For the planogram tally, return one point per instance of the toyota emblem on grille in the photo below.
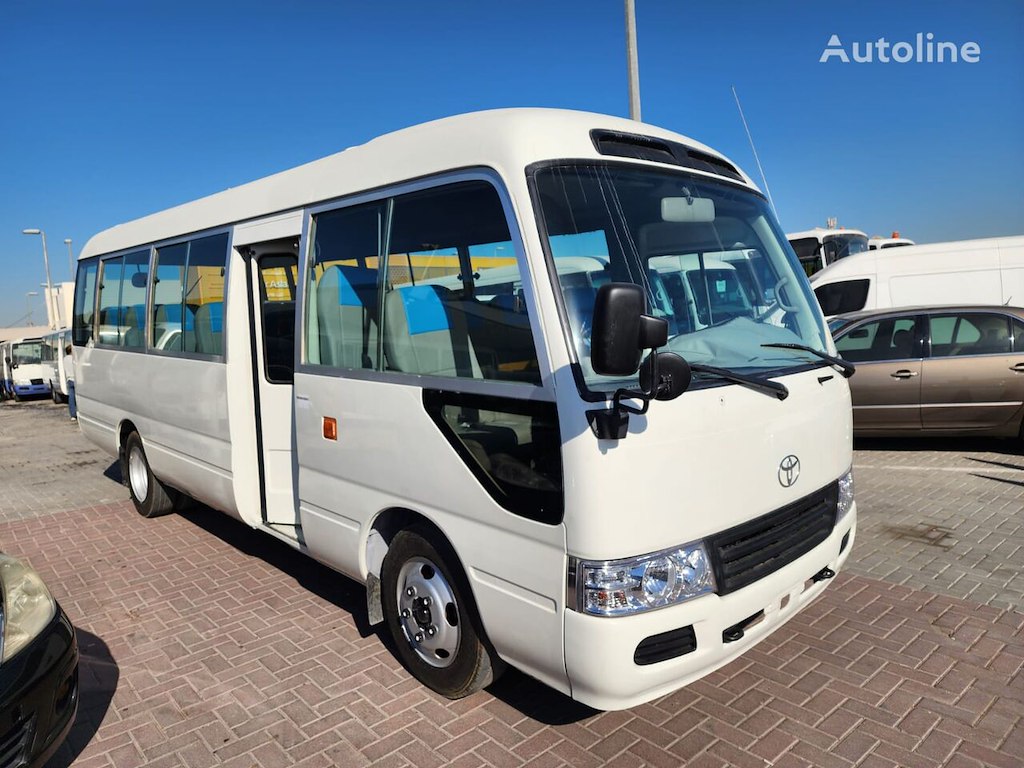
(789, 471)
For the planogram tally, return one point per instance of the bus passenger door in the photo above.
(273, 270)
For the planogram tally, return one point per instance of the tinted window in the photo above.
(342, 321)
(969, 333)
(85, 302)
(1018, 334)
(886, 339)
(451, 301)
(134, 281)
(845, 296)
(111, 317)
(170, 315)
(204, 294)
(277, 273)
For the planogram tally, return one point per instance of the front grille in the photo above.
(37, 382)
(12, 744)
(751, 551)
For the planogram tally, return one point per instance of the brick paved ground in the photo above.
(205, 643)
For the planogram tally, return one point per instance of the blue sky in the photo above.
(112, 110)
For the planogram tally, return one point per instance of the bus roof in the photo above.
(821, 232)
(507, 140)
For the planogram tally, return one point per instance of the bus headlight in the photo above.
(27, 606)
(621, 587)
(845, 496)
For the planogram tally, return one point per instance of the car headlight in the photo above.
(27, 606)
(621, 587)
(845, 496)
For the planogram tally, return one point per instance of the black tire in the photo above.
(456, 660)
(151, 497)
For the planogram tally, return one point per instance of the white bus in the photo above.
(820, 247)
(57, 363)
(487, 453)
(24, 372)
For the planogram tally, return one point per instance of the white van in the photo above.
(56, 360)
(989, 271)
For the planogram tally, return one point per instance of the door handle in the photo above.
(1018, 368)
(903, 373)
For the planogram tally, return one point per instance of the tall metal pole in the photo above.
(71, 258)
(28, 305)
(631, 62)
(50, 298)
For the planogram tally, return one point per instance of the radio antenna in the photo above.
(753, 149)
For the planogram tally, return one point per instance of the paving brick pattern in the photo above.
(47, 466)
(943, 515)
(205, 643)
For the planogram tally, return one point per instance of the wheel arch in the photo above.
(382, 529)
(124, 430)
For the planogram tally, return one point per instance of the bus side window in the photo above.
(204, 290)
(341, 320)
(85, 303)
(452, 305)
(168, 315)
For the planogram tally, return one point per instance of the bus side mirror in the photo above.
(621, 331)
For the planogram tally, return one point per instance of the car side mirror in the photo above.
(621, 331)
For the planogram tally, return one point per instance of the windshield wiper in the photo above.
(845, 368)
(761, 385)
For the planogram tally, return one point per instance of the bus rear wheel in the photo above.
(151, 497)
(430, 614)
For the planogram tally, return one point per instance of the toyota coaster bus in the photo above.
(501, 369)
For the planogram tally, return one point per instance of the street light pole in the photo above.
(28, 306)
(51, 307)
(71, 258)
(632, 65)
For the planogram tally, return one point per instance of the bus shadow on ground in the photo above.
(98, 675)
(529, 696)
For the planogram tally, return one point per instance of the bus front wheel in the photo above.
(151, 497)
(429, 612)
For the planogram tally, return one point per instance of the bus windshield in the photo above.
(27, 353)
(709, 255)
(844, 245)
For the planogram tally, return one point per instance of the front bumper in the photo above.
(599, 651)
(27, 390)
(39, 695)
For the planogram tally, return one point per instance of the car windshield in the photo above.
(710, 257)
(28, 353)
(836, 323)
